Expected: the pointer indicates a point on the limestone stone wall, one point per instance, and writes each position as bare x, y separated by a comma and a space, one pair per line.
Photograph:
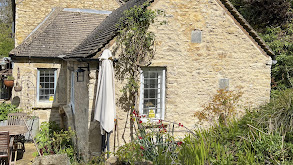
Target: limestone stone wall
25, 73
30, 13
193, 70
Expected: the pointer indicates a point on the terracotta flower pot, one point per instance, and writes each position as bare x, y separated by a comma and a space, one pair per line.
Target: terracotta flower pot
9, 83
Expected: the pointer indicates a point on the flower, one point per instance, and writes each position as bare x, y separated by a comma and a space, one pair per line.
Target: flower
179, 124
141, 147
179, 143
140, 121
140, 137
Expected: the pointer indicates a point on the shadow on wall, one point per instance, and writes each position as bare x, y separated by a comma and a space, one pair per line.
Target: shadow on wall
95, 137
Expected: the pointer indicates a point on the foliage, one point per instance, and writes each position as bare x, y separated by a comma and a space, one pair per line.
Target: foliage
222, 106
130, 152
154, 142
273, 20
9, 78
261, 136
277, 115
6, 36
5, 109
6, 40
262, 13
53, 140
280, 41
137, 48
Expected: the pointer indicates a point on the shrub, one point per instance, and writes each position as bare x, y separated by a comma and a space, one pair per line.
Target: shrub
154, 142
5, 109
53, 140
221, 108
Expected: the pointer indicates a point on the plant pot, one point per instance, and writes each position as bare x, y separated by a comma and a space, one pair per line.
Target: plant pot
9, 83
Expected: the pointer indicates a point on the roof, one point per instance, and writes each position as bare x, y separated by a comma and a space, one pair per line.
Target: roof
104, 33
79, 34
72, 34
60, 32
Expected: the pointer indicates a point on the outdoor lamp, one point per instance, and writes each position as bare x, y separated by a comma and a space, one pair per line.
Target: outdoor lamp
80, 75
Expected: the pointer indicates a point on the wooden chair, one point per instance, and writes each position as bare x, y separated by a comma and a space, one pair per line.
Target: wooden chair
4, 148
17, 119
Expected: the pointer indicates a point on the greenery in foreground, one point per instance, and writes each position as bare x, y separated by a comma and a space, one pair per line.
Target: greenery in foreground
262, 136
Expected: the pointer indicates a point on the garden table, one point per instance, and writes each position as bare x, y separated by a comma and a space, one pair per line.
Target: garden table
14, 130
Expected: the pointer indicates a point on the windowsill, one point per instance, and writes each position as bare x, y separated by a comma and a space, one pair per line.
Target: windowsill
44, 105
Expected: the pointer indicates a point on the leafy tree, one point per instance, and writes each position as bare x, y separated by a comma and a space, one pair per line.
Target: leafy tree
6, 36
6, 40
262, 13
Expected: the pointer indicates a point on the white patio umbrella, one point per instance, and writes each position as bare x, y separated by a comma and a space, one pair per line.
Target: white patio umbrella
105, 111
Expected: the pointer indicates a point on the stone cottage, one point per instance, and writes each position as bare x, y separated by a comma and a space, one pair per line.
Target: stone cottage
204, 45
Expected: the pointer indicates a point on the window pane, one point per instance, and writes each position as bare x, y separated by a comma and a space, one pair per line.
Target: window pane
146, 94
42, 92
42, 85
46, 86
51, 85
152, 93
153, 83
152, 88
146, 83
145, 74
153, 74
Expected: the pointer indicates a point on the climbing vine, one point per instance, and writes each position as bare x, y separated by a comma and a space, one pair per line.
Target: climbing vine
136, 44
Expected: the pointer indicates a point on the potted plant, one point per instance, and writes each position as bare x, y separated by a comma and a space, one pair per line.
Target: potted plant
9, 81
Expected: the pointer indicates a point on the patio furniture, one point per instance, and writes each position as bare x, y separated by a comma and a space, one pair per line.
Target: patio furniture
18, 119
19, 139
14, 131
4, 148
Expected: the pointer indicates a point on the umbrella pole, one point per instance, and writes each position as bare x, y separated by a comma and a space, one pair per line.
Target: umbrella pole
108, 144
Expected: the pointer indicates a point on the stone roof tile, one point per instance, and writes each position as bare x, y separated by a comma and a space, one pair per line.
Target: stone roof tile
59, 34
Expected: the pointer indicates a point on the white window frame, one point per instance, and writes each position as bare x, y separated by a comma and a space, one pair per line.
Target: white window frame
162, 73
38, 84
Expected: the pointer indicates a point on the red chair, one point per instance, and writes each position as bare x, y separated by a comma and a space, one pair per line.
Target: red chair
4, 148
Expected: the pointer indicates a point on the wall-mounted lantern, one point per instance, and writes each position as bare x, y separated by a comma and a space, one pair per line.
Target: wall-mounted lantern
80, 73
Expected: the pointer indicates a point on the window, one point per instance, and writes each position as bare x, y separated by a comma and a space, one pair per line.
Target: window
152, 92
46, 84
